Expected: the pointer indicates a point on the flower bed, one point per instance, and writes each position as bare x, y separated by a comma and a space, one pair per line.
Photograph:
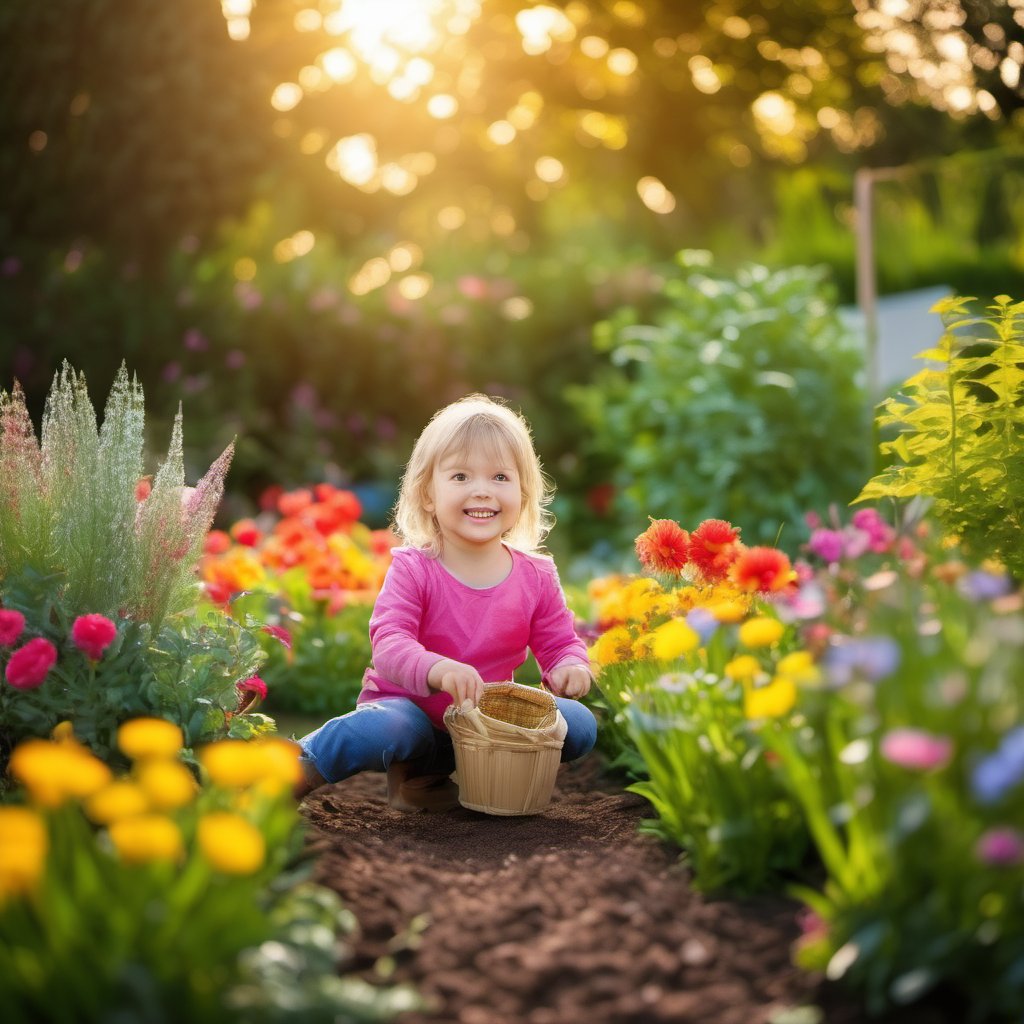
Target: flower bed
307, 571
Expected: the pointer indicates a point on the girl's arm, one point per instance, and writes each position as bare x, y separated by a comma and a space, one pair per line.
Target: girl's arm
398, 654
553, 638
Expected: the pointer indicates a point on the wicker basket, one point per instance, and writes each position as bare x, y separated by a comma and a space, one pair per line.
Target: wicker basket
507, 750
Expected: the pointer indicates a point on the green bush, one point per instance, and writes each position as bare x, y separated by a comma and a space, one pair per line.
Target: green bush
739, 398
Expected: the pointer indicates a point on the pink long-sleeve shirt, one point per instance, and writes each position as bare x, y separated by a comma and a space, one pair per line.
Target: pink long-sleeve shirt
424, 614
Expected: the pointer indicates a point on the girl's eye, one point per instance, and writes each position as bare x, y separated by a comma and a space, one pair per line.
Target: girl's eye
459, 476
500, 476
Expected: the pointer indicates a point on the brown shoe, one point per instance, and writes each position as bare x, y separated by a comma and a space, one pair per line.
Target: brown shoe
432, 793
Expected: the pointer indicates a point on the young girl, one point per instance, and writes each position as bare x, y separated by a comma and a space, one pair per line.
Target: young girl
461, 603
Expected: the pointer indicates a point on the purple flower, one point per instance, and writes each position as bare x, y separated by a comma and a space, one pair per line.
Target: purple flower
916, 749
826, 544
993, 776
1000, 847
984, 586
872, 657
195, 340
702, 622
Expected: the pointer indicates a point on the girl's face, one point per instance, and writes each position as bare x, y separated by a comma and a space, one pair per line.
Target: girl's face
476, 497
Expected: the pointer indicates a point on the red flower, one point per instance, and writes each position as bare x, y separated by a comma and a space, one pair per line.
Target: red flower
12, 624
143, 488
216, 543
253, 685
291, 503
217, 592
29, 664
663, 547
93, 634
246, 532
269, 496
763, 569
280, 633
714, 546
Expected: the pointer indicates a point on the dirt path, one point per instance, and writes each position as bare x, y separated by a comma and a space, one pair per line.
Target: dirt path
562, 918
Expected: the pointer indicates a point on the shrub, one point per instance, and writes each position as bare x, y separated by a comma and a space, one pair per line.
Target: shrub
959, 431
739, 398
147, 898
97, 569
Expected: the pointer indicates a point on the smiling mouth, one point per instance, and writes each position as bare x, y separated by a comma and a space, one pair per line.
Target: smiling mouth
480, 513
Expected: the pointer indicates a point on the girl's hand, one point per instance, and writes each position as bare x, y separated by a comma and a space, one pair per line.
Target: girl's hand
569, 681
463, 682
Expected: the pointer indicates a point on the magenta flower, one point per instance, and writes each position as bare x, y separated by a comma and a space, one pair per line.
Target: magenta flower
29, 664
93, 634
826, 544
916, 749
12, 625
281, 634
1000, 847
253, 685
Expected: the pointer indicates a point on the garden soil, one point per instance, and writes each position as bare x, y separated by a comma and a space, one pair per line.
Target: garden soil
567, 917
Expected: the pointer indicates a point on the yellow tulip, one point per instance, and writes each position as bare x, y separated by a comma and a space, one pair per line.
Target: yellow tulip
147, 838
231, 844
728, 611
54, 772
769, 701
744, 667
761, 632
167, 784
674, 639
149, 737
118, 800
23, 845
799, 666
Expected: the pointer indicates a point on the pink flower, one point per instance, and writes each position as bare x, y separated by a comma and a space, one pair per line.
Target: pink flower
253, 685
826, 544
12, 624
29, 664
1000, 847
916, 749
93, 634
279, 633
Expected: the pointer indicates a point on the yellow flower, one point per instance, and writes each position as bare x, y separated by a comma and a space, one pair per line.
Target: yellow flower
63, 732
686, 599
118, 800
799, 666
146, 838
642, 647
761, 632
639, 599
743, 667
231, 844
167, 784
149, 737
612, 647
769, 701
674, 639
53, 772
23, 845
728, 611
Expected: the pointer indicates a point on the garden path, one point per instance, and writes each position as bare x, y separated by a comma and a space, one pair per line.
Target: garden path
559, 918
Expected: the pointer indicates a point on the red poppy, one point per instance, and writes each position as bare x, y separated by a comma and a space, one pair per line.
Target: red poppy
12, 624
762, 569
663, 547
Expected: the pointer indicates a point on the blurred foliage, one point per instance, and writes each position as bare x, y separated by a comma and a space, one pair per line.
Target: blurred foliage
316, 225
737, 397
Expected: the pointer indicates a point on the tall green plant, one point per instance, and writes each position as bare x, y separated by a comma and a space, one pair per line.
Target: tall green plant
70, 507
738, 399
960, 428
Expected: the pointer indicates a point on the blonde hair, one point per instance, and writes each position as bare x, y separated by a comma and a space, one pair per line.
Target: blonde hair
474, 420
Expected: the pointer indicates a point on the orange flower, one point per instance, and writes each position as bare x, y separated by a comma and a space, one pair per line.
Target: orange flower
714, 546
291, 503
663, 547
762, 569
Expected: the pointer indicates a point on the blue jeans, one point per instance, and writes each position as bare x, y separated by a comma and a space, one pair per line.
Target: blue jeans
394, 729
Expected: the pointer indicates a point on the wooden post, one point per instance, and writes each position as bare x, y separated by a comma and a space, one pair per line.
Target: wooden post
867, 286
